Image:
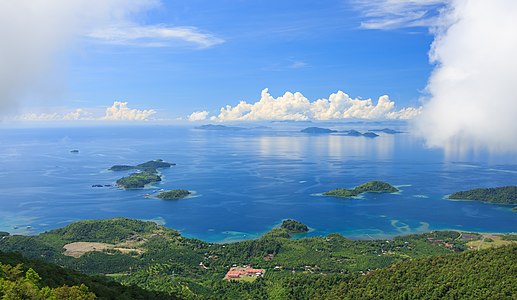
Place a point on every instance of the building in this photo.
(247, 271)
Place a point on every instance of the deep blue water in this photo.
(246, 182)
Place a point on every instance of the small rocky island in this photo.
(293, 226)
(317, 130)
(146, 173)
(173, 194)
(498, 195)
(368, 187)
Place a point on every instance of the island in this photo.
(74, 151)
(293, 226)
(219, 127)
(498, 195)
(149, 165)
(173, 194)
(386, 130)
(368, 187)
(353, 132)
(317, 130)
(138, 180)
(147, 173)
(370, 134)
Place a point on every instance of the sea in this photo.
(245, 182)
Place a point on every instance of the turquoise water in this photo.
(246, 182)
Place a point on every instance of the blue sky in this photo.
(313, 47)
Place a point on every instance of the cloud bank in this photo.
(473, 87)
(119, 111)
(34, 33)
(296, 107)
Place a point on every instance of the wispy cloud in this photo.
(394, 14)
(155, 36)
(295, 106)
(298, 64)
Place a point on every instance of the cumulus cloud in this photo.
(473, 88)
(296, 107)
(155, 36)
(119, 111)
(198, 116)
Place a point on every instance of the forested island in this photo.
(147, 173)
(151, 165)
(173, 194)
(498, 195)
(138, 180)
(144, 260)
(368, 187)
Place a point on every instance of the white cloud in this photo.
(155, 36)
(198, 116)
(393, 14)
(33, 33)
(120, 112)
(117, 112)
(295, 106)
(473, 89)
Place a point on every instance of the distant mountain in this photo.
(370, 134)
(317, 130)
(353, 133)
(219, 127)
(386, 130)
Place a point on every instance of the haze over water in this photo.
(247, 181)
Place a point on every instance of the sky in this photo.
(449, 66)
(174, 58)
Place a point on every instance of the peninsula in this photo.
(293, 226)
(498, 195)
(368, 187)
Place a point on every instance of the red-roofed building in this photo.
(237, 272)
